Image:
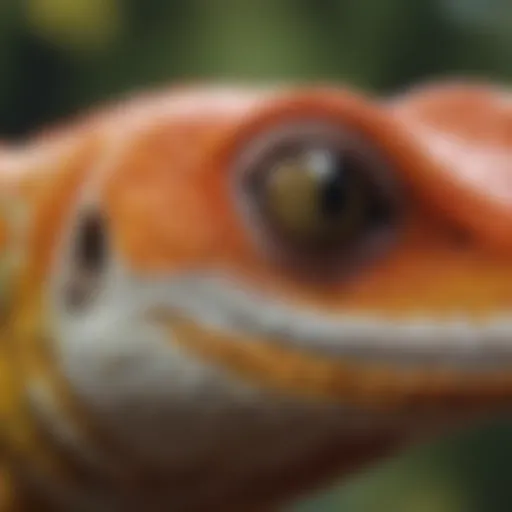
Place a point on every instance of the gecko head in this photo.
(309, 242)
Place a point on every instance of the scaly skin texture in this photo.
(192, 418)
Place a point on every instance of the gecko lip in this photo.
(359, 361)
(221, 304)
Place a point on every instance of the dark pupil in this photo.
(333, 190)
(337, 187)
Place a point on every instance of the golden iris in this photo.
(316, 197)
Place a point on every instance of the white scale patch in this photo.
(167, 411)
(175, 414)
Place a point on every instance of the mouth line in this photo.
(378, 386)
(456, 343)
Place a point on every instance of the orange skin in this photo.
(166, 194)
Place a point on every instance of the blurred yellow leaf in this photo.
(76, 24)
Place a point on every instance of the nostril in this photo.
(88, 261)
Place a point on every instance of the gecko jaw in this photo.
(228, 326)
(370, 361)
(221, 304)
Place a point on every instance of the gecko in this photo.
(220, 297)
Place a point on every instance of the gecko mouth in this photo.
(336, 356)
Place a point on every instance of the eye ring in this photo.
(361, 161)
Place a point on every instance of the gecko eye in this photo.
(88, 260)
(315, 197)
(317, 192)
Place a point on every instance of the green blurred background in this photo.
(58, 56)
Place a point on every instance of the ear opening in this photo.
(88, 260)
